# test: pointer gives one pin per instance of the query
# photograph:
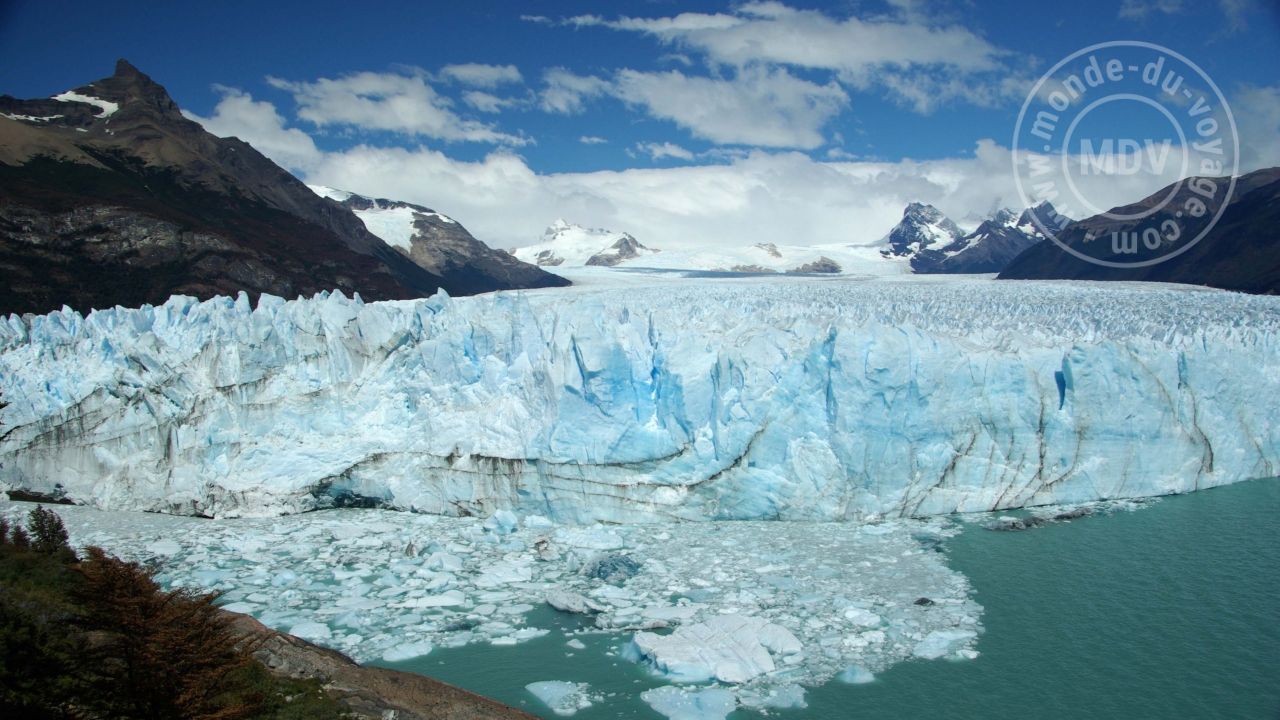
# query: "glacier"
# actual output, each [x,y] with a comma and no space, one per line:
[790,399]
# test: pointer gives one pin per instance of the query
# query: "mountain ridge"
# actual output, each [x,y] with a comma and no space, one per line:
[110,196]
[1240,252]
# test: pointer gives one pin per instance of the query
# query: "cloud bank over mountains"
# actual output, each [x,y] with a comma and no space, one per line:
[748,148]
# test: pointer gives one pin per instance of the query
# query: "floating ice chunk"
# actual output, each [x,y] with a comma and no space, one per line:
[164,547]
[728,648]
[449,598]
[537,522]
[862,618]
[577,644]
[594,537]
[856,675]
[311,630]
[679,704]
[572,602]
[668,613]
[563,698]
[611,568]
[504,572]
[942,642]
[502,522]
[243,608]
[441,560]
[780,698]
[407,651]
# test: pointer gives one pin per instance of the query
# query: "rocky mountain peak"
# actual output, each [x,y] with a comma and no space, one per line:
[921,227]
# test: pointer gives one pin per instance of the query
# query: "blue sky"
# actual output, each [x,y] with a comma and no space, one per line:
[506,114]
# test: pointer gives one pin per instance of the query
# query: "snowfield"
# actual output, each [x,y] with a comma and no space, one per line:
[795,399]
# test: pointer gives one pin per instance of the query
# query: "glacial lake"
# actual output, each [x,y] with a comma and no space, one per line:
[1170,611]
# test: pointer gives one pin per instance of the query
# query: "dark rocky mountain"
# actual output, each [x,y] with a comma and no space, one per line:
[441,245]
[1241,252]
[625,248]
[108,195]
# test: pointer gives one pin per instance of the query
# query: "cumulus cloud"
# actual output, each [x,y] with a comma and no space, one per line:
[658,151]
[391,102]
[1141,9]
[481,75]
[759,106]
[488,102]
[729,197]
[565,92]
[775,33]
[592,140]
[1257,113]
[921,63]
[257,122]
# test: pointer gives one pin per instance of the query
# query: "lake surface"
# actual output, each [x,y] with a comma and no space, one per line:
[1170,611]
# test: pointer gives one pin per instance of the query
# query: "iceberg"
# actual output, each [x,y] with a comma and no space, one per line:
[727,648]
[562,698]
[797,399]
[676,703]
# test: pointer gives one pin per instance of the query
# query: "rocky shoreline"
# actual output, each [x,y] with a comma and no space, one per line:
[368,692]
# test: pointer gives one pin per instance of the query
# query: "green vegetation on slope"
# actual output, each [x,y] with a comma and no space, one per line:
[96,637]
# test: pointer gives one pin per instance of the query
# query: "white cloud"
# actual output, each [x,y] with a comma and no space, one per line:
[481,75]
[760,107]
[592,140]
[920,62]
[565,92]
[743,198]
[1257,113]
[488,102]
[775,33]
[757,106]
[257,122]
[388,101]
[1141,9]
[658,151]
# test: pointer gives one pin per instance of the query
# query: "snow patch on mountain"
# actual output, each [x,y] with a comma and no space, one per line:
[107,107]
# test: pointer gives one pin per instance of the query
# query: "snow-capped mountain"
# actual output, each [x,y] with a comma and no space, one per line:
[752,399]
[922,227]
[440,244]
[567,245]
[933,243]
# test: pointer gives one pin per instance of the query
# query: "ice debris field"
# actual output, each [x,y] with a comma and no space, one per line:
[754,623]
[804,399]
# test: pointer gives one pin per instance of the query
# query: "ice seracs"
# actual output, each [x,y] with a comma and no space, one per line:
[799,400]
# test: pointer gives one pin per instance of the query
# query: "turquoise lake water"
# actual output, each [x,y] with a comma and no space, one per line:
[1171,611]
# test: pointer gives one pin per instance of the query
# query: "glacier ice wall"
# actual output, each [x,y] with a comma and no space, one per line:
[795,400]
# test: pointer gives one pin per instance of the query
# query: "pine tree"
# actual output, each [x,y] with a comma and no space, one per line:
[165,654]
[49,535]
[20,539]
[4,531]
